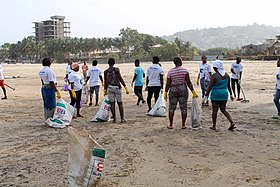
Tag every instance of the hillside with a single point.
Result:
(228, 37)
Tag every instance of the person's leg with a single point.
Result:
(183, 95)
(202, 85)
(120, 104)
(206, 87)
(224, 111)
(215, 110)
(173, 99)
(5, 93)
(78, 102)
(149, 98)
(97, 88)
(91, 90)
(113, 111)
(276, 100)
(238, 90)
(136, 92)
(233, 87)
(156, 92)
(141, 93)
(73, 100)
(111, 97)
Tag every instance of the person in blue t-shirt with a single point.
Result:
(139, 74)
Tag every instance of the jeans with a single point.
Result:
(204, 86)
(138, 93)
(276, 100)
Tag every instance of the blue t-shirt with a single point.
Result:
(139, 71)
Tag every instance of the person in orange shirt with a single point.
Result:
(85, 68)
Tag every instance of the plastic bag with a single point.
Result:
(84, 98)
(103, 113)
(195, 114)
(63, 115)
(159, 109)
(85, 159)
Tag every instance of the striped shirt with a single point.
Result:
(177, 75)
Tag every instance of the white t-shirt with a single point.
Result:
(75, 78)
(47, 75)
(94, 72)
(1, 73)
(278, 79)
(153, 74)
(204, 71)
(237, 68)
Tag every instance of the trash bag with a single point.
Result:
(85, 159)
(103, 113)
(195, 114)
(63, 115)
(84, 98)
(159, 109)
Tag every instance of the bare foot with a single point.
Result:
(169, 127)
(213, 128)
(183, 127)
(123, 121)
(79, 116)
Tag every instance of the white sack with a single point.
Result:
(63, 115)
(159, 109)
(195, 113)
(85, 159)
(104, 111)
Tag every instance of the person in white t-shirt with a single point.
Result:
(204, 76)
(277, 92)
(48, 80)
(236, 70)
(154, 81)
(94, 74)
(75, 87)
(2, 84)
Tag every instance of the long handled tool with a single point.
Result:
(9, 87)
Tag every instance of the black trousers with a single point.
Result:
(77, 100)
(153, 90)
(138, 93)
(233, 81)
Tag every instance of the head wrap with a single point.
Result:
(220, 66)
(75, 65)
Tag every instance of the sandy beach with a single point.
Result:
(143, 152)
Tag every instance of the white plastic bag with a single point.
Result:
(103, 113)
(195, 113)
(63, 115)
(84, 98)
(159, 109)
(85, 159)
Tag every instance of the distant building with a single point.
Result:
(56, 27)
(252, 49)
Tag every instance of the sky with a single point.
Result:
(105, 18)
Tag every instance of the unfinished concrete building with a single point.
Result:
(56, 27)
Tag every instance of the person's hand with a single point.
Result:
(205, 98)
(74, 94)
(231, 98)
(126, 90)
(58, 95)
(197, 81)
(194, 94)
(165, 96)
(239, 81)
(105, 92)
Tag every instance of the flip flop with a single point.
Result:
(183, 127)
(232, 127)
(169, 127)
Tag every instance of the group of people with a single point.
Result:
(218, 86)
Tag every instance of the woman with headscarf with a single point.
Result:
(219, 87)
(75, 87)
(178, 80)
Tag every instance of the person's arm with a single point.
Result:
(134, 78)
(88, 77)
(161, 81)
(232, 71)
(118, 73)
(143, 75)
(229, 89)
(212, 81)
(188, 81)
(101, 78)
(167, 87)
(240, 75)
(105, 80)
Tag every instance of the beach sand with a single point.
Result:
(143, 152)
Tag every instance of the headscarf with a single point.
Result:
(220, 66)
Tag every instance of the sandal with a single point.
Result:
(169, 127)
(213, 128)
(232, 127)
